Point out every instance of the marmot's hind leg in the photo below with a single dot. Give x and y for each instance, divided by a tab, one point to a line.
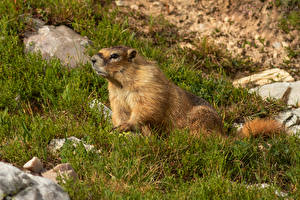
203	119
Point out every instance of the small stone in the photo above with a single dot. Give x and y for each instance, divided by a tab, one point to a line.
276	45
34	165
186	45
226	19
239	51
101	108
156	3
238	126
285	44
231	44
56	144
17	98
171	9
198	27
281	194
134	7
119	3
63	170
287	58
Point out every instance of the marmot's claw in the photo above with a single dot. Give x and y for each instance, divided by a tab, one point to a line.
125	127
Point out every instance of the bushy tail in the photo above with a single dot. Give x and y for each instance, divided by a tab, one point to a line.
261	127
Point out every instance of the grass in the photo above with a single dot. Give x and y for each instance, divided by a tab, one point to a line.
290	19
42	100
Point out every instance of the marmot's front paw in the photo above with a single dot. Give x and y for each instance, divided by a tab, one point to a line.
125	127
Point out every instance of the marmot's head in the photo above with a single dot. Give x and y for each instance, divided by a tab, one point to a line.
112	62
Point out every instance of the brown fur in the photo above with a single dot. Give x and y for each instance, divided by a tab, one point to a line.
142	97
261	127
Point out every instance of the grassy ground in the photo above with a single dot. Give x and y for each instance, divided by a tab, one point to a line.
40	101
291	14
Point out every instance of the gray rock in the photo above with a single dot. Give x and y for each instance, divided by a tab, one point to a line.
280	90
61	42
291	119
18	185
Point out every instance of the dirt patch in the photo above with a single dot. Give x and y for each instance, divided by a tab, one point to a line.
246	28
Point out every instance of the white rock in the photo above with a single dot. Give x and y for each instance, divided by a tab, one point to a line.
277	90
34	165
57	144
64	170
273	90
291	119
61	42
18	185
264	77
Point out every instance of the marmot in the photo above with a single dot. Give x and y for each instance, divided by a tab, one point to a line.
142	97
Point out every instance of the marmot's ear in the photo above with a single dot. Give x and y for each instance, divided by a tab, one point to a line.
131	54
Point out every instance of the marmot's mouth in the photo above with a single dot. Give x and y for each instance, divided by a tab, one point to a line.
98	72
101	73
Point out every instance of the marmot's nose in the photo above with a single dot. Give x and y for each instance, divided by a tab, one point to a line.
93	60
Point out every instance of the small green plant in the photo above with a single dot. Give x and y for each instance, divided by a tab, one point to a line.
291	18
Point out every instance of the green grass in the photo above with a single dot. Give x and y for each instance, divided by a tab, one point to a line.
290	19
42	100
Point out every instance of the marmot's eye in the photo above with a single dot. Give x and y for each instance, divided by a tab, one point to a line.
114	56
